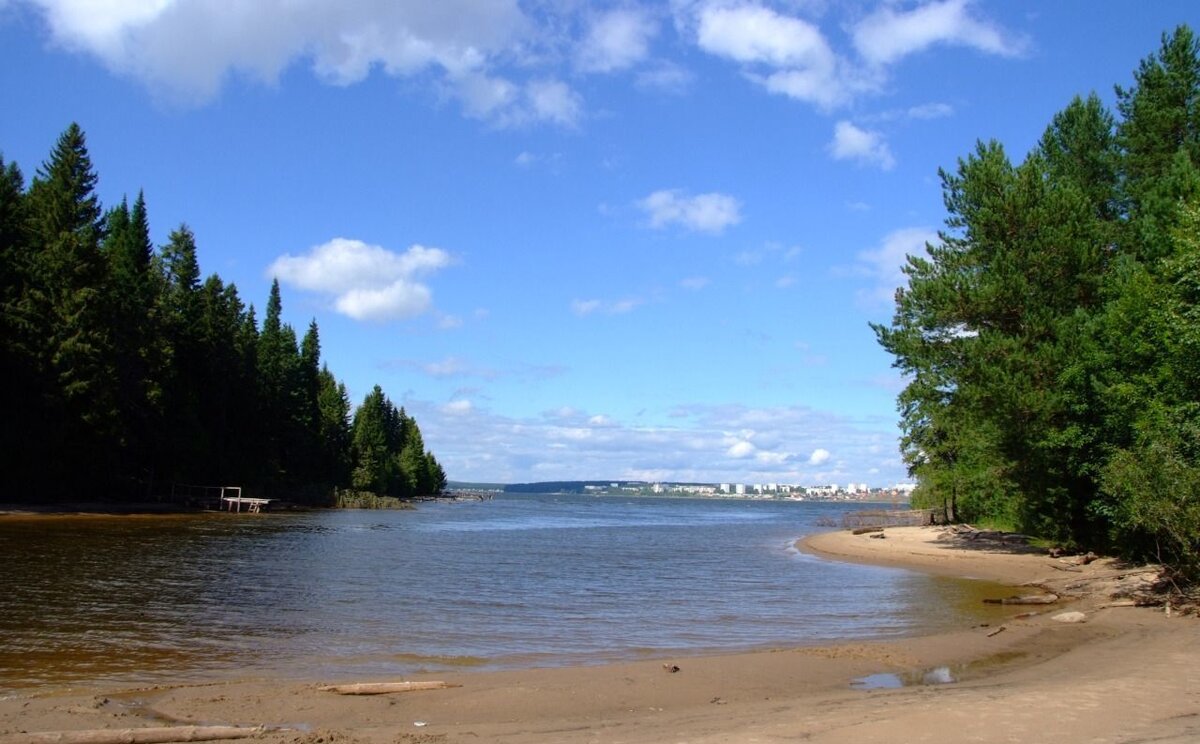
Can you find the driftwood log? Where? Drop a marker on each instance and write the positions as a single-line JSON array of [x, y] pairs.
[[154, 735], [1028, 599], [383, 688], [865, 530]]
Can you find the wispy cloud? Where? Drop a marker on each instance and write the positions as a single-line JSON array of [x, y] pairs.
[[605, 307], [616, 40], [860, 145], [883, 265], [888, 35], [710, 213]]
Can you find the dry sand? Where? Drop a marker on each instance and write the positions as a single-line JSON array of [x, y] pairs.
[[1125, 674]]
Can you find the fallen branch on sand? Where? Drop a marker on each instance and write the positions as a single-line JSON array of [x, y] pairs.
[[156, 735], [1028, 599], [865, 530], [383, 688]]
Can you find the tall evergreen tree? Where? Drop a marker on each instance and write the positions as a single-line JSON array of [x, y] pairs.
[[65, 294], [181, 449]]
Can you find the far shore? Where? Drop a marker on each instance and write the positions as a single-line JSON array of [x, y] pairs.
[[1123, 674]]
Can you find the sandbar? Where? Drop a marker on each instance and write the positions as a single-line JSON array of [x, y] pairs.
[[1125, 674]]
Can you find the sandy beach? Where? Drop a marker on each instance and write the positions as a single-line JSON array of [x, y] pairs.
[[1121, 674]]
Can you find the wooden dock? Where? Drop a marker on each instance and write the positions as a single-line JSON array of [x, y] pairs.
[[253, 506], [217, 498]]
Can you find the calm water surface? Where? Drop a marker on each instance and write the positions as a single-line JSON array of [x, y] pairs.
[[518, 581]]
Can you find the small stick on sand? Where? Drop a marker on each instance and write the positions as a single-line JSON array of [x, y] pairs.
[[383, 688], [156, 735]]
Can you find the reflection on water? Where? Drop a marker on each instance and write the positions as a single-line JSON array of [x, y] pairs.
[[519, 581]]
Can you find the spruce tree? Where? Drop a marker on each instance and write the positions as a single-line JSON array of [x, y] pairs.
[[67, 276]]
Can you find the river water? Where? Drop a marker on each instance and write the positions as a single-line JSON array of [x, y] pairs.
[[520, 581]]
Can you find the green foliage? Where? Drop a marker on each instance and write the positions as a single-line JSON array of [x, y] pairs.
[[389, 453], [1051, 340], [127, 372]]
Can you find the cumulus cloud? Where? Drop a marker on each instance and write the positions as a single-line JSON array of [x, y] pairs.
[[713, 444], [365, 282], [710, 213], [506, 104], [190, 47], [187, 50], [860, 145], [786, 55], [888, 35], [740, 449], [616, 40], [884, 264]]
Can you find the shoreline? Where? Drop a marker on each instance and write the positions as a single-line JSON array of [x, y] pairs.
[[1125, 673]]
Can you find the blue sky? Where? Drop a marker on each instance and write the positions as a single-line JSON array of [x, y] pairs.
[[575, 240]]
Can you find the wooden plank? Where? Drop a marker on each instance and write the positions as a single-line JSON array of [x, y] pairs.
[[383, 688]]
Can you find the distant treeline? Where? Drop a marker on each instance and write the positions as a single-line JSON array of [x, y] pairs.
[[1051, 342], [577, 486], [556, 486], [124, 372]]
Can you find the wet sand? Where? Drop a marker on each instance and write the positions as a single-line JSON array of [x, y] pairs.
[[1125, 674]]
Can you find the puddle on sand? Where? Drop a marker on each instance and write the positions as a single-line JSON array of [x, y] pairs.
[[886, 681], [939, 675]]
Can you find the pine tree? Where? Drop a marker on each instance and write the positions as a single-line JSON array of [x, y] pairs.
[[370, 443], [182, 447], [1160, 139], [132, 294], [334, 436], [21, 395], [65, 294]]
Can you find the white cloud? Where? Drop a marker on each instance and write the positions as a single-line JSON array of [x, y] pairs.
[[741, 449], [616, 307], [616, 40], [765, 446], [188, 48], [861, 145], [460, 407], [510, 105], [553, 100], [818, 456], [665, 76], [789, 55], [888, 35], [448, 367], [695, 283], [711, 213], [930, 111], [365, 282], [883, 265], [799, 61]]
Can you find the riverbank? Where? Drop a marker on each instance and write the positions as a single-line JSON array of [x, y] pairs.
[[1124, 674]]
